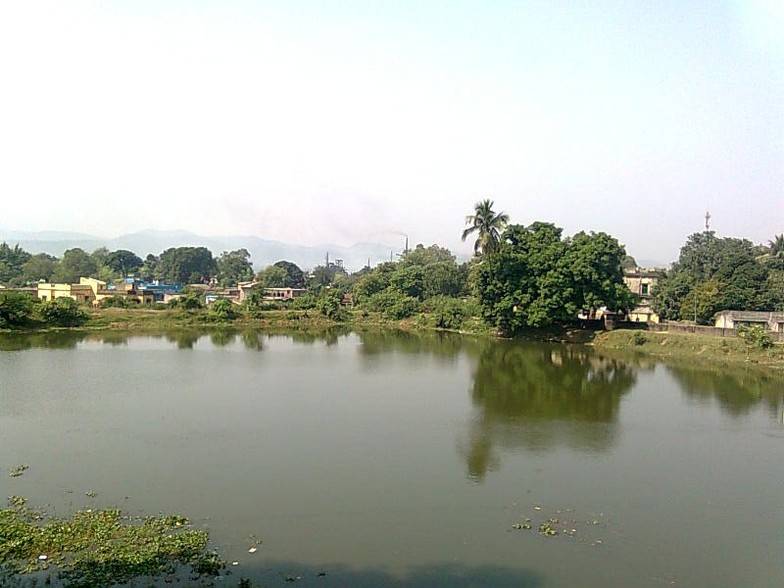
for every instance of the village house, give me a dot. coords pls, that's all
(732, 319)
(282, 294)
(642, 281)
(85, 291)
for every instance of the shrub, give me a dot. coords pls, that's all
(15, 308)
(188, 300)
(223, 310)
(304, 302)
(329, 304)
(639, 338)
(62, 312)
(755, 336)
(447, 313)
(116, 302)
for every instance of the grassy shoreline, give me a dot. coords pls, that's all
(705, 350)
(700, 350)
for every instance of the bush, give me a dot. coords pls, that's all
(188, 300)
(223, 310)
(116, 302)
(329, 304)
(639, 338)
(755, 336)
(62, 312)
(447, 313)
(393, 305)
(304, 302)
(15, 309)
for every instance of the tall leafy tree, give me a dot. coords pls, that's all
(487, 224)
(39, 267)
(187, 265)
(295, 277)
(75, 264)
(776, 246)
(123, 262)
(12, 260)
(234, 266)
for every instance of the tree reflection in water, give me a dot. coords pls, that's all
(737, 390)
(539, 396)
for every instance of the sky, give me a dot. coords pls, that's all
(359, 121)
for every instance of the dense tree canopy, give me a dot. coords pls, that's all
(234, 266)
(295, 277)
(536, 278)
(12, 260)
(76, 263)
(187, 265)
(123, 262)
(713, 274)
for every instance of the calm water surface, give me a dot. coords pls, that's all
(385, 459)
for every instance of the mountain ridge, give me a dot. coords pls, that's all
(154, 241)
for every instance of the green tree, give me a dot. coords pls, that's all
(537, 279)
(187, 265)
(234, 266)
(12, 260)
(15, 309)
(123, 262)
(272, 276)
(487, 224)
(295, 277)
(39, 267)
(76, 263)
(223, 310)
(776, 246)
(62, 312)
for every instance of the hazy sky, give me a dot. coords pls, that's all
(349, 121)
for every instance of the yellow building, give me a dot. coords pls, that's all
(85, 291)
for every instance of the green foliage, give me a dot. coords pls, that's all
(393, 304)
(234, 266)
(62, 312)
(96, 548)
(329, 305)
(755, 336)
(117, 302)
(701, 302)
(304, 302)
(186, 265)
(12, 261)
(487, 224)
(295, 277)
(189, 300)
(715, 274)
(39, 267)
(536, 278)
(449, 313)
(76, 263)
(639, 338)
(16, 309)
(123, 262)
(223, 310)
(272, 276)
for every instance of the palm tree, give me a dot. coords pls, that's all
(487, 225)
(776, 247)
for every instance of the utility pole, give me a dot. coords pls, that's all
(707, 220)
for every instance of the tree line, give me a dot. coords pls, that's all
(721, 273)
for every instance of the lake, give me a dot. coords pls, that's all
(395, 459)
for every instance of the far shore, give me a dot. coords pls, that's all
(702, 349)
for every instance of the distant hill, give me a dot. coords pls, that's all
(263, 252)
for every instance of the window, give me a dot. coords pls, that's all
(645, 289)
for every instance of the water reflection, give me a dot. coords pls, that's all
(523, 392)
(440, 345)
(737, 391)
